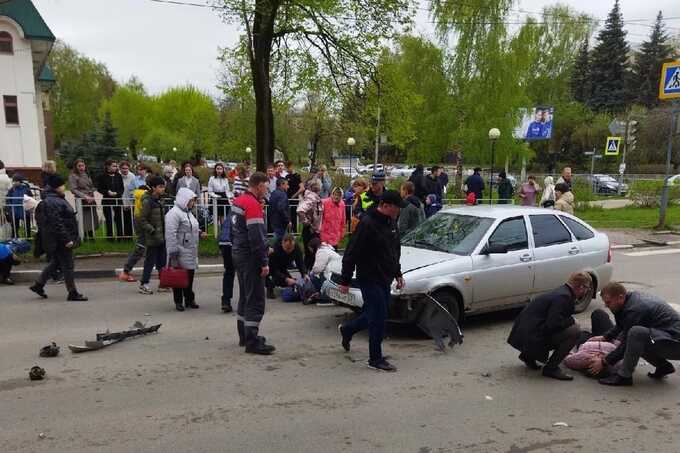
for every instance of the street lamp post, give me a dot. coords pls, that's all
(350, 143)
(494, 135)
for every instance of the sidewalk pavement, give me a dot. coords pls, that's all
(630, 238)
(107, 267)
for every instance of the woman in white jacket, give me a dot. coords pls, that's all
(181, 240)
(548, 198)
(218, 190)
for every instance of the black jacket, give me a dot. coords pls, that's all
(279, 209)
(57, 223)
(418, 180)
(374, 250)
(505, 191)
(545, 316)
(475, 184)
(644, 310)
(433, 186)
(279, 261)
(110, 182)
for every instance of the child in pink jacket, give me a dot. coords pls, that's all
(333, 220)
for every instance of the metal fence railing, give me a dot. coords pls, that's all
(114, 218)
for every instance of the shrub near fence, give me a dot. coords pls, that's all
(648, 193)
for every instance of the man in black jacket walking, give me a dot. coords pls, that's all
(374, 250)
(646, 326)
(546, 324)
(59, 235)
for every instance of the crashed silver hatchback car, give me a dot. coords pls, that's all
(477, 259)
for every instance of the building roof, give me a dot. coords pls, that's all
(46, 75)
(24, 13)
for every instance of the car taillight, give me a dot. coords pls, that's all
(609, 255)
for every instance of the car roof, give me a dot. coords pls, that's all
(497, 211)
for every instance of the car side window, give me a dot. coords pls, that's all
(548, 230)
(581, 232)
(512, 233)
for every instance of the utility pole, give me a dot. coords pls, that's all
(669, 156)
(377, 135)
(623, 156)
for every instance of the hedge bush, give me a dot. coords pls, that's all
(647, 193)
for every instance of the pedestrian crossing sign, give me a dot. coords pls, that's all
(613, 145)
(669, 86)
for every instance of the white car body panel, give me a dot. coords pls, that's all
(497, 281)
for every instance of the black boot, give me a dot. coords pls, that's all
(256, 344)
(226, 306)
(662, 371)
(39, 290)
(179, 306)
(530, 363)
(557, 373)
(616, 380)
(192, 304)
(76, 297)
(241, 333)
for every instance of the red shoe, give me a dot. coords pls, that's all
(125, 277)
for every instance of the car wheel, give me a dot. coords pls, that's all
(582, 304)
(450, 301)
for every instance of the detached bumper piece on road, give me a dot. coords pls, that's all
(108, 338)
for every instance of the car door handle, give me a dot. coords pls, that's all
(525, 258)
(574, 251)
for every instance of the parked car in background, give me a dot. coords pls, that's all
(673, 180)
(476, 259)
(210, 163)
(402, 171)
(370, 169)
(606, 185)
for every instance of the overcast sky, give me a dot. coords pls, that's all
(166, 45)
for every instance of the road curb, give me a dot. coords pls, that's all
(23, 276)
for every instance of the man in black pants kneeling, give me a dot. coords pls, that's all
(546, 324)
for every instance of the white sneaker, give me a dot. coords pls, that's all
(144, 289)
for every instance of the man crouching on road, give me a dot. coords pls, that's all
(546, 324)
(374, 250)
(646, 326)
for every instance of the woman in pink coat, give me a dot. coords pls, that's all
(333, 220)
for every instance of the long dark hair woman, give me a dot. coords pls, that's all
(218, 190)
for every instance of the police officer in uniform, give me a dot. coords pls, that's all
(249, 253)
(370, 199)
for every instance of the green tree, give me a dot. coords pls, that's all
(609, 69)
(580, 77)
(82, 85)
(95, 147)
(130, 109)
(282, 39)
(188, 116)
(647, 69)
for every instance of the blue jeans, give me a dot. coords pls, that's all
(373, 316)
(155, 256)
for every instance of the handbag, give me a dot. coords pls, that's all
(173, 277)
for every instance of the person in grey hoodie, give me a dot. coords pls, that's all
(181, 239)
(414, 212)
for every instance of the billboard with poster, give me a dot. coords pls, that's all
(536, 124)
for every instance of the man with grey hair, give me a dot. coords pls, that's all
(646, 327)
(546, 324)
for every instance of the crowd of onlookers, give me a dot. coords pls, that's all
(557, 196)
(314, 207)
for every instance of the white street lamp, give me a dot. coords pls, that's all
(249, 150)
(351, 142)
(494, 134)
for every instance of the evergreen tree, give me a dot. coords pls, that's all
(580, 76)
(609, 68)
(108, 132)
(647, 69)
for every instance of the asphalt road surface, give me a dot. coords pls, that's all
(190, 388)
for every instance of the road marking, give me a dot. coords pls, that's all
(654, 252)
